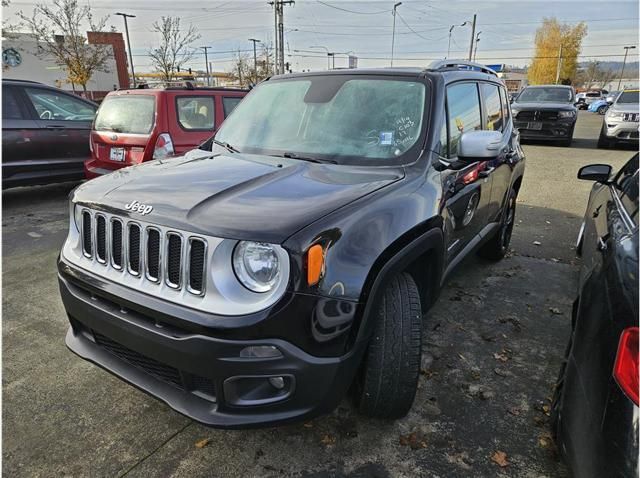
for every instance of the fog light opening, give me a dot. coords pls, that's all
(277, 382)
(260, 351)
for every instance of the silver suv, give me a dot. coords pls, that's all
(621, 120)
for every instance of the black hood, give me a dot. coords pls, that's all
(234, 195)
(543, 105)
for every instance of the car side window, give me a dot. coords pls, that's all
(229, 103)
(626, 184)
(196, 112)
(492, 107)
(463, 112)
(52, 105)
(10, 106)
(504, 100)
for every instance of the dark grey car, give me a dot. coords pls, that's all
(45, 134)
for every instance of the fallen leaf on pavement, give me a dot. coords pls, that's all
(515, 411)
(328, 440)
(543, 442)
(546, 409)
(308, 425)
(202, 443)
(501, 357)
(555, 311)
(413, 441)
(500, 458)
(537, 243)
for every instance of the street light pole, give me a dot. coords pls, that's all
(624, 62)
(206, 61)
(473, 35)
(126, 29)
(451, 30)
(328, 55)
(255, 60)
(475, 51)
(393, 35)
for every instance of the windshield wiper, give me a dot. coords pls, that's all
(226, 145)
(307, 158)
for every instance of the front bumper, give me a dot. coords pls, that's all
(626, 131)
(550, 130)
(94, 168)
(199, 375)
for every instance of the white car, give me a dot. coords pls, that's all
(621, 120)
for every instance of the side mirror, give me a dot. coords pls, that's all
(595, 172)
(479, 145)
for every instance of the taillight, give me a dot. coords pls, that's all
(625, 370)
(164, 146)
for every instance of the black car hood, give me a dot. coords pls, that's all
(234, 195)
(541, 106)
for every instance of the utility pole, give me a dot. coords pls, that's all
(211, 71)
(278, 7)
(393, 35)
(255, 60)
(624, 62)
(206, 63)
(475, 50)
(473, 34)
(126, 29)
(559, 67)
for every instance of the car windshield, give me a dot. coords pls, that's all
(328, 117)
(126, 114)
(555, 95)
(630, 96)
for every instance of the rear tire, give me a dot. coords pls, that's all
(496, 247)
(388, 378)
(558, 392)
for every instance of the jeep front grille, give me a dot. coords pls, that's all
(148, 251)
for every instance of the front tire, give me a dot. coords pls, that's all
(389, 375)
(602, 109)
(496, 247)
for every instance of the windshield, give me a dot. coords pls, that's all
(328, 117)
(630, 96)
(551, 95)
(126, 114)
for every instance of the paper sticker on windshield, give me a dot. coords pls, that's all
(386, 137)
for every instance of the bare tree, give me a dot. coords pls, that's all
(242, 72)
(173, 52)
(58, 31)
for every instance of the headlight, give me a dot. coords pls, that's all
(256, 265)
(614, 114)
(77, 217)
(566, 114)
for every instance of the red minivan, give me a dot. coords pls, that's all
(136, 125)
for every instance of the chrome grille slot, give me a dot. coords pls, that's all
(87, 241)
(101, 239)
(174, 260)
(153, 254)
(134, 248)
(197, 265)
(116, 243)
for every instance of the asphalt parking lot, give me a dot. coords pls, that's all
(492, 348)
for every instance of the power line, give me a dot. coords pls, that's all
(351, 11)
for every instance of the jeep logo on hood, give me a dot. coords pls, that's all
(135, 206)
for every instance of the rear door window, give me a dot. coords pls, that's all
(10, 105)
(133, 114)
(196, 112)
(229, 103)
(463, 110)
(492, 107)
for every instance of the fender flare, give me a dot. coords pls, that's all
(400, 260)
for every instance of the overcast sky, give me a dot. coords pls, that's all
(364, 27)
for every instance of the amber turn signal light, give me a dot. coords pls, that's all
(315, 263)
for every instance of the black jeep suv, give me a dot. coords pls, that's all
(256, 280)
(546, 113)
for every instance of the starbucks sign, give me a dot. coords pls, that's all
(11, 57)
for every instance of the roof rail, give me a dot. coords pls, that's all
(460, 64)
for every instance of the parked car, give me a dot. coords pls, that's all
(546, 113)
(600, 107)
(137, 125)
(584, 99)
(611, 96)
(621, 121)
(45, 134)
(257, 281)
(595, 414)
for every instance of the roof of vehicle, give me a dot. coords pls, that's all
(31, 82)
(552, 86)
(187, 87)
